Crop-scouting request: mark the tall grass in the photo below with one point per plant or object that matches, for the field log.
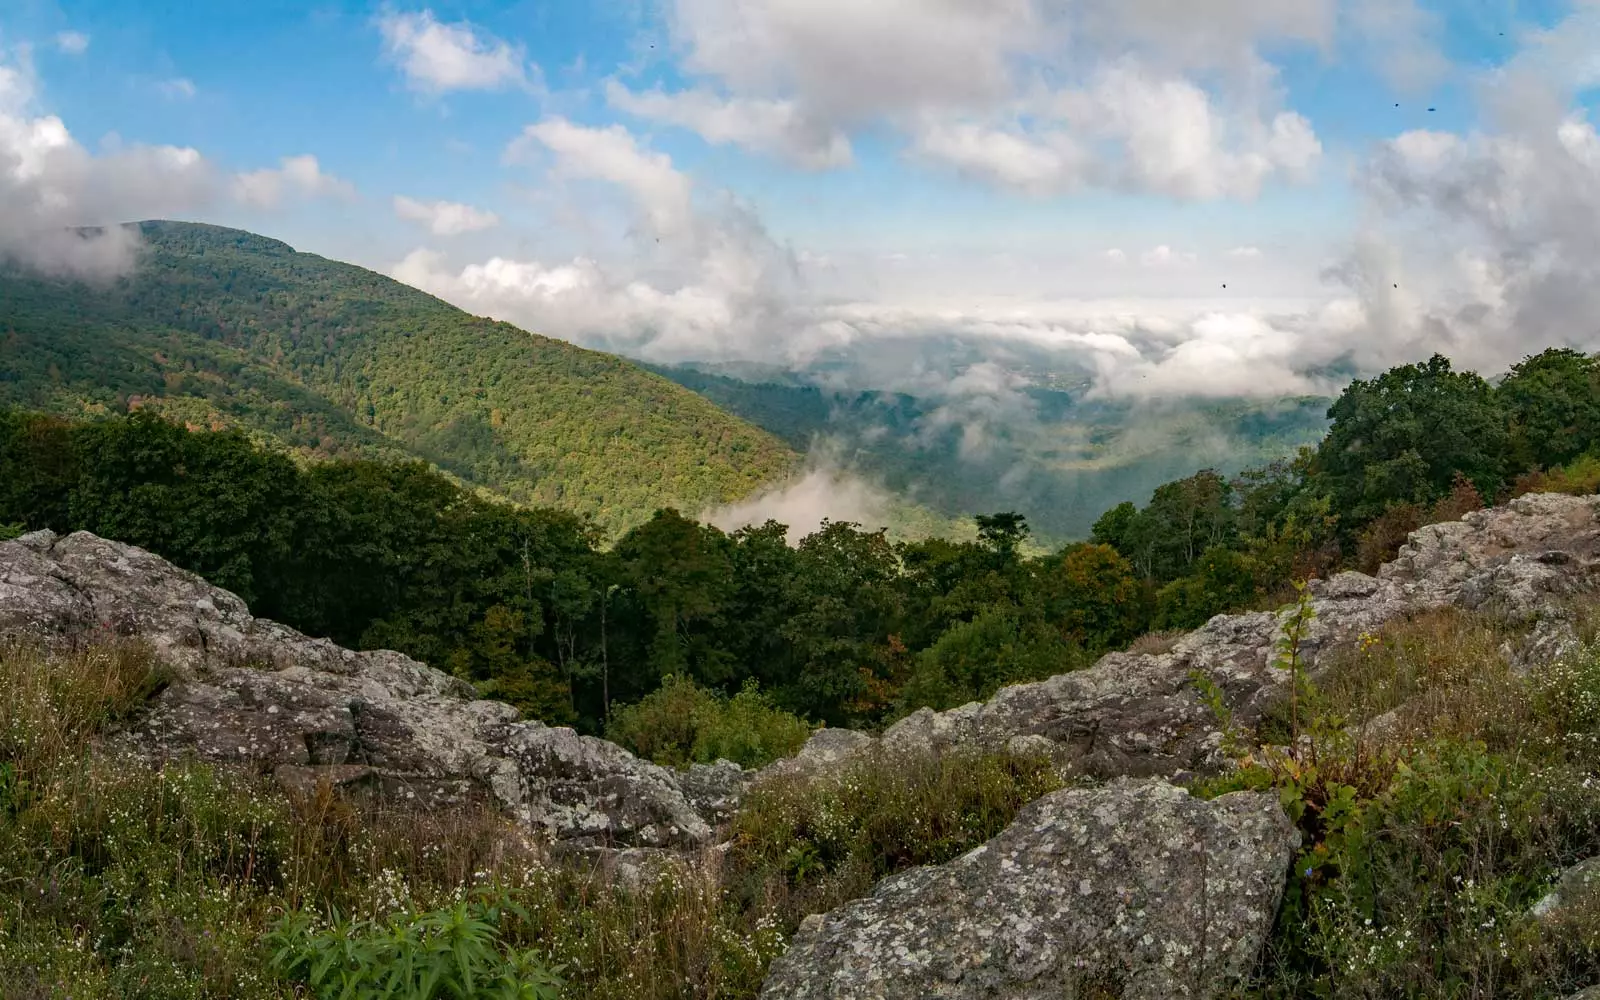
(122, 881)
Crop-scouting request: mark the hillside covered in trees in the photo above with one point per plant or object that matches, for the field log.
(222, 328)
(1062, 459)
(846, 627)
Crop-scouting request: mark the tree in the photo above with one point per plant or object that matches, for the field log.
(1182, 520)
(681, 574)
(847, 605)
(1552, 407)
(1003, 533)
(1092, 596)
(1402, 437)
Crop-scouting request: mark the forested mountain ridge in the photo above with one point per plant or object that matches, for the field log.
(222, 327)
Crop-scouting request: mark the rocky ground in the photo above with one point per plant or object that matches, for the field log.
(1130, 884)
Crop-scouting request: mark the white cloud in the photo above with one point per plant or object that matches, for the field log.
(611, 154)
(50, 184)
(822, 492)
(851, 61)
(1245, 253)
(1030, 95)
(177, 89)
(73, 43)
(1165, 256)
(437, 57)
(776, 127)
(445, 218)
(297, 176)
(1045, 164)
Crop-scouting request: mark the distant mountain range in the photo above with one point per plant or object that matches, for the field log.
(1054, 454)
(221, 327)
(218, 327)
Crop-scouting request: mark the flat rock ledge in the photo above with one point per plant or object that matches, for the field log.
(1134, 887)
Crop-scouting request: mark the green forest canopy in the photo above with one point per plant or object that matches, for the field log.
(218, 327)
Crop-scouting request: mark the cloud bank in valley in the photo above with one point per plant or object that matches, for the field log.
(824, 492)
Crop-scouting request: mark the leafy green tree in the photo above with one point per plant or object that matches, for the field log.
(1182, 520)
(847, 605)
(38, 468)
(1092, 596)
(1116, 526)
(1224, 580)
(1403, 436)
(974, 659)
(1552, 406)
(680, 573)
(212, 503)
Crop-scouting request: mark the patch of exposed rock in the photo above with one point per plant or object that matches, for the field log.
(1141, 714)
(1577, 885)
(1132, 886)
(257, 694)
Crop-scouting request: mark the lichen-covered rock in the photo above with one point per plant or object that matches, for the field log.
(589, 790)
(253, 693)
(1143, 714)
(1133, 886)
(715, 790)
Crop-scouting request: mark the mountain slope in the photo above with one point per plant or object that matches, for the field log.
(224, 327)
(1062, 459)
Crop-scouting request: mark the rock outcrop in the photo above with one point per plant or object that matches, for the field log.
(1142, 714)
(1134, 887)
(256, 694)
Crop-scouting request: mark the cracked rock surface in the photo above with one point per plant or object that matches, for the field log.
(1134, 887)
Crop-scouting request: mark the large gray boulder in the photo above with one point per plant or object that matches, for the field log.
(255, 694)
(1133, 887)
(1143, 714)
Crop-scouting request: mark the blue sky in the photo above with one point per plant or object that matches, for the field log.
(768, 178)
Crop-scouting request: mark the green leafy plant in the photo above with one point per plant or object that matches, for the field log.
(453, 953)
(1296, 628)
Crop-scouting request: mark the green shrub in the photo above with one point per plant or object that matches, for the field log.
(682, 723)
(455, 952)
(972, 660)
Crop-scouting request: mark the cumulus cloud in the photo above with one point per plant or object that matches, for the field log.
(436, 57)
(704, 281)
(73, 43)
(444, 218)
(611, 154)
(776, 127)
(1029, 95)
(296, 176)
(60, 204)
(1486, 245)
